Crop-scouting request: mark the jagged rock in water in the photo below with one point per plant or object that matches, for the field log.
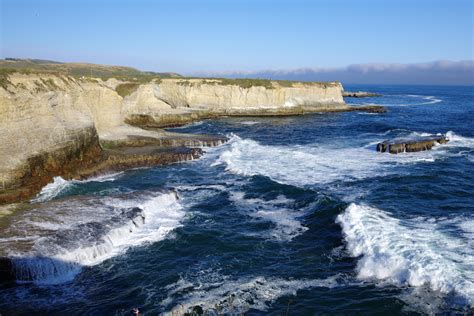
(410, 145)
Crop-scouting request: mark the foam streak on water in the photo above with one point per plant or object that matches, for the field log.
(237, 297)
(277, 211)
(416, 252)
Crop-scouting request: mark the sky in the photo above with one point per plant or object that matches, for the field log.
(209, 36)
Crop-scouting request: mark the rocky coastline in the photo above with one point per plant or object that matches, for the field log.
(57, 124)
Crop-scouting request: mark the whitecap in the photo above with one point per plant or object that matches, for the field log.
(51, 190)
(310, 164)
(59, 185)
(413, 252)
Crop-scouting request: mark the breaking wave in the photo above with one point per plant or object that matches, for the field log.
(59, 185)
(97, 231)
(309, 165)
(415, 252)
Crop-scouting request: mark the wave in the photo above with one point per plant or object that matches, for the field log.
(276, 211)
(239, 296)
(59, 185)
(412, 252)
(51, 190)
(99, 230)
(310, 165)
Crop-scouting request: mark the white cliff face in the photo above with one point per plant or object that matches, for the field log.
(207, 94)
(46, 113)
(41, 113)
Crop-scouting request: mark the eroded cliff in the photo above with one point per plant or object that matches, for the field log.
(54, 124)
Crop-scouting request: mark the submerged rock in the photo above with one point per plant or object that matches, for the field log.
(411, 144)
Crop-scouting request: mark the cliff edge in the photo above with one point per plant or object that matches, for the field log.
(58, 124)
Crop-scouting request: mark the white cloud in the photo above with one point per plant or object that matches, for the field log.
(436, 72)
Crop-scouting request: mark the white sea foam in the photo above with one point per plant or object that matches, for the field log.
(458, 140)
(118, 225)
(277, 211)
(415, 252)
(425, 100)
(309, 165)
(53, 189)
(237, 297)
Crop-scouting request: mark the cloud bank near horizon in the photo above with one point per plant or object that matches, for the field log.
(441, 72)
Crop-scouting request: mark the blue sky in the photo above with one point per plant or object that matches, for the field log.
(200, 36)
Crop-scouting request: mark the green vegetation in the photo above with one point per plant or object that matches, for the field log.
(91, 72)
(49, 83)
(125, 89)
(80, 70)
(248, 82)
(4, 82)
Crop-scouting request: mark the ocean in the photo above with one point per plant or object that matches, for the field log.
(293, 216)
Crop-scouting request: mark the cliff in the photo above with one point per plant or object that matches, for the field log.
(170, 101)
(57, 124)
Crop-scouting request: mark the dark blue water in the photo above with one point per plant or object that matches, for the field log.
(295, 215)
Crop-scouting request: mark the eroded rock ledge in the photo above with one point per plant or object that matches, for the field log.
(360, 94)
(401, 145)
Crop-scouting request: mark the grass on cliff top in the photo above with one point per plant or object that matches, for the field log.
(79, 70)
(132, 75)
(249, 82)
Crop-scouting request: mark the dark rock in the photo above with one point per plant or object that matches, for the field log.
(411, 145)
(7, 274)
(367, 108)
(359, 94)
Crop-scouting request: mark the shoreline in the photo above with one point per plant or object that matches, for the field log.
(106, 156)
(58, 124)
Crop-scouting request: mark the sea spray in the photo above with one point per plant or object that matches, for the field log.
(59, 186)
(407, 252)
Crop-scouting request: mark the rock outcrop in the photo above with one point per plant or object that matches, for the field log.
(397, 146)
(171, 102)
(359, 94)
